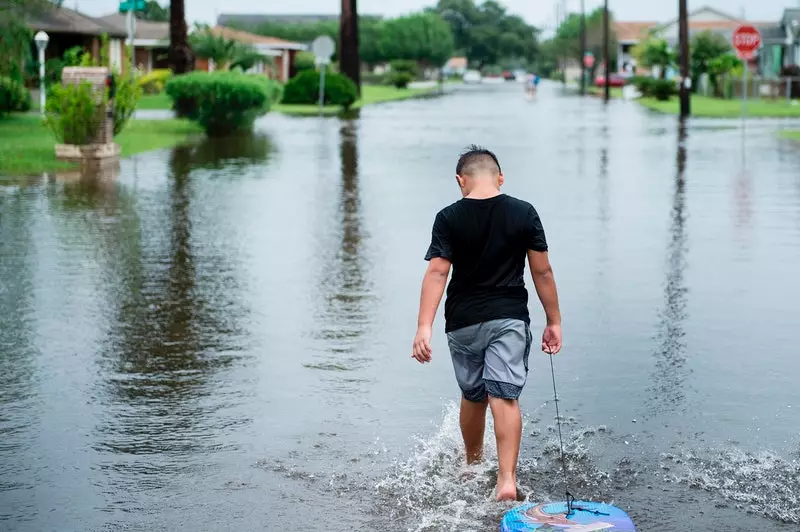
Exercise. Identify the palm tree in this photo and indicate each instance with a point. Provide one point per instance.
(181, 59)
(655, 53)
(349, 58)
(225, 53)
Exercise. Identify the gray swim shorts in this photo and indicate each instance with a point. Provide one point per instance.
(491, 358)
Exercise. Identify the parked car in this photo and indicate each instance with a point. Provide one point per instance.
(472, 76)
(615, 80)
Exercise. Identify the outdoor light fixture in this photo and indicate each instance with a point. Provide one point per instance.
(41, 39)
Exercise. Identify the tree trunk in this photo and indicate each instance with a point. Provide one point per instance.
(349, 60)
(181, 59)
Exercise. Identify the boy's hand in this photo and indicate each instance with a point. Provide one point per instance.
(422, 344)
(551, 339)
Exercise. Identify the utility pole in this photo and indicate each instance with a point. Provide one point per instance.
(607, 52)
(583, 47)
(349, 57)
(683, 31)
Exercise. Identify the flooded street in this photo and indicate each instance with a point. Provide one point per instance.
(220, 338)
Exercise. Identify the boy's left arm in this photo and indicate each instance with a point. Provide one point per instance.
(433, 285)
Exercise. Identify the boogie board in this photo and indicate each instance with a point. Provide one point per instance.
(585, 517)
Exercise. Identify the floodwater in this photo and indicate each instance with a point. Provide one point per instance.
(219, 338)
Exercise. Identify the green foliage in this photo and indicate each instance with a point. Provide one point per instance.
(13, 96)
(566, 43)
(644, 84)
(368, 78)
(125, 100)
(273, 88)
(304, 89)
(705, 47)
(655, 52)
(154, 12)
(304, 61)
(719, 67)
(70, 113)
(153, 83)
(418, 37)
(663, 89)
(221, 102)
(400, 79)
(208, 45)
(404, 66)
(487, 33)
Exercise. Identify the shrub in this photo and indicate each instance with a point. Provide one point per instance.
(401, 79)
(304, 89)
(221, 102)
(404, 65)
(643, 84)
(274, 88)
(13, 96)
(125, 100)
(153, 83)
(304, 61)
(70, 113)
(663, 89)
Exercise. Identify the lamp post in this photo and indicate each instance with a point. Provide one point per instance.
(41, 39)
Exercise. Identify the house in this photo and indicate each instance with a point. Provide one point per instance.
(68, 28)
(629, 34)
(455, 66)
(150, 43)
(780, 44)
(283, 52)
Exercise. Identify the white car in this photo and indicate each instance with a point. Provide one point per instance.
(472, 76)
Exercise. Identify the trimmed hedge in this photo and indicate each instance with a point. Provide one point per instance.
(304, 89)
(663, 89)
(154, 82)
(13, 96)
(401, 79)
(221, 102)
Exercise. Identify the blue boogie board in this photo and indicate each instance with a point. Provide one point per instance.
(585, 517)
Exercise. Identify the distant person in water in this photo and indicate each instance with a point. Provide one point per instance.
(485, 238)
(531, 84)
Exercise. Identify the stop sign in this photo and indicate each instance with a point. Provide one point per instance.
(746, 40)
(588, 59)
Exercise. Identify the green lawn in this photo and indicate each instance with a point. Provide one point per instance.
(369, 94)
(615, 92)
(790, 134)
(27, 146)
(703, 106)
(154, 101)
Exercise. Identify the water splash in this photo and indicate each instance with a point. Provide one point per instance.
(761, 483)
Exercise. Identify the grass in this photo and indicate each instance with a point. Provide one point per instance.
(27, 145)
(615, 92)
(154, 101)
(790, 134)
(370, 94)
(704, 106)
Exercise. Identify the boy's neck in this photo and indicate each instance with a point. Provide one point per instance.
(485, 192)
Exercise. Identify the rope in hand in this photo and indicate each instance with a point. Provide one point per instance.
(570, 499)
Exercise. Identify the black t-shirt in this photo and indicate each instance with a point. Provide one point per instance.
(487, 241)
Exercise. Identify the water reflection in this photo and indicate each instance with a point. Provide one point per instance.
(241, 150)
(667, 391)
(344, 285)
(176, 327)
(18, 351)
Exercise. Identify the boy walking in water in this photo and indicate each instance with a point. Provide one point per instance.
(485, 237)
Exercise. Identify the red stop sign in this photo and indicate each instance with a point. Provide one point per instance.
(588, 60)
(746, 40)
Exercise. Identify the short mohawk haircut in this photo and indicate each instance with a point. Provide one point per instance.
(476, 159)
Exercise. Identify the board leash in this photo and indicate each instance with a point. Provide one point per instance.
(570, 498)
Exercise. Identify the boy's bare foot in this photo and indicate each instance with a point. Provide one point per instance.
(506, 488)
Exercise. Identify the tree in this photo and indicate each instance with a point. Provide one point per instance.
(16, 36)
(349, 58)
(421, 37)
(567, 39)
(154, 12)
(226, 53)
(705, 47)
(654, 52)
(487, 33)
(181, 59)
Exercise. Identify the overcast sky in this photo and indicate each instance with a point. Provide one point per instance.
(538, 12)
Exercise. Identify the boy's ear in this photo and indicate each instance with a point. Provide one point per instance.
(500, 180)
(461, 181)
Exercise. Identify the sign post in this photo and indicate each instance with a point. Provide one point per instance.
(129, 7)
(588, 63)
(746, 41)
(323, 48)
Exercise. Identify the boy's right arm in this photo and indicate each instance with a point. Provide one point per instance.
(545, 284)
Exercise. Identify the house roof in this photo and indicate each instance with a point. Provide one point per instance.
(256, 40)
(632, 31)
(790, 14)
(457, 62)
(145, 29)
(64, 20)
